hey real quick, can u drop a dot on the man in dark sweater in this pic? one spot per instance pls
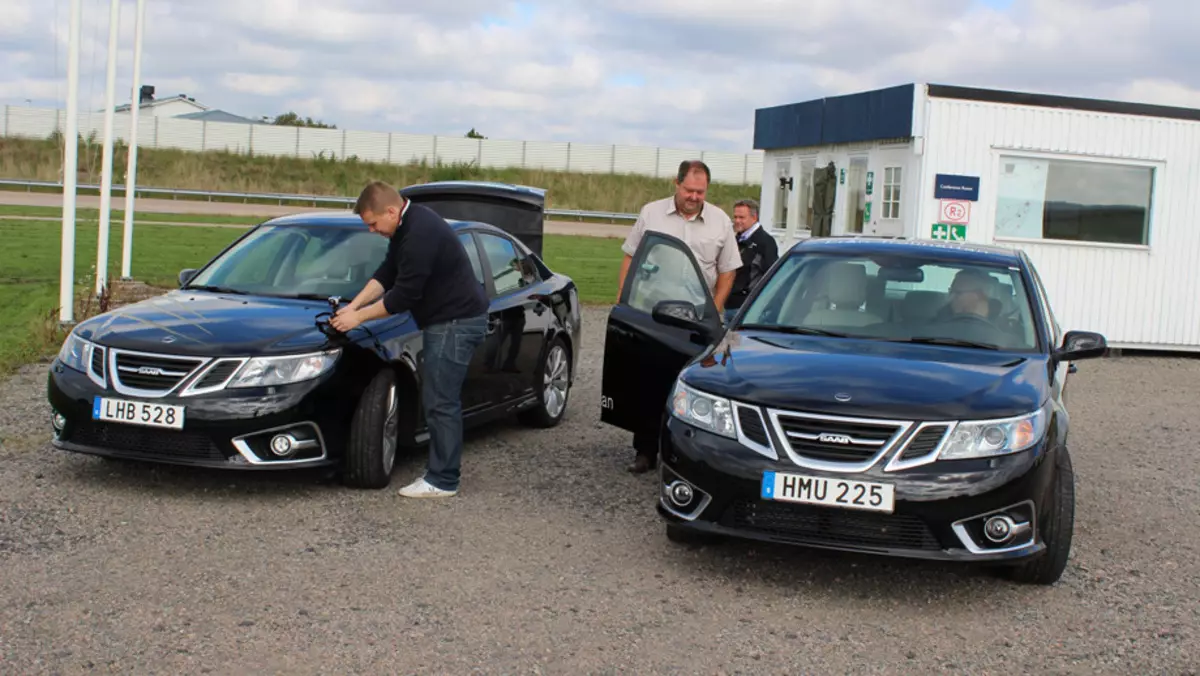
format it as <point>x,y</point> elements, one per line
<point>427,273</point>
<point>758,250</point>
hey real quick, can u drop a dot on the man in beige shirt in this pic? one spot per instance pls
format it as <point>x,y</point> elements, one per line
<point>708,232</point>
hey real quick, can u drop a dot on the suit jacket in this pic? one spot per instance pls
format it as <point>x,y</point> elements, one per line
<point>759,252</point>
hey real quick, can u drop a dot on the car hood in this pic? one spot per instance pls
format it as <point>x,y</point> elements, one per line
<point>210,324</point>
<point>882,379</point>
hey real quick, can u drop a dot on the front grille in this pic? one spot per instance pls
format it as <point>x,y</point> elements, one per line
<point>752,426</point>
<point>924,442</point>
<point>835,440</point>
<point>218,374</point>
<point>146,442</point>
<point>98,362</point>
<point>152,373</point>
<point>822,525</point>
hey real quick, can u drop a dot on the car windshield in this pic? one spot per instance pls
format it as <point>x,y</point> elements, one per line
<point>298,260</point>
<point>905,298</point>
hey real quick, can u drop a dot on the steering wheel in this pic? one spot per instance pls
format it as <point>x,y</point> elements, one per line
<point>969,317</point>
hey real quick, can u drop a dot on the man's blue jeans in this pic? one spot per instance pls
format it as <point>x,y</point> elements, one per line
<point>446,356</point>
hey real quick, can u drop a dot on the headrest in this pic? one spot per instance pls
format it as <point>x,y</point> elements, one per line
<point>847,284</point>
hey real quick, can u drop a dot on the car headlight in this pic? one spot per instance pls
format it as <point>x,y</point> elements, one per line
<point>267,371</point>
<point>75,353</point>
<point>714,414</point>
<point>987,438</point>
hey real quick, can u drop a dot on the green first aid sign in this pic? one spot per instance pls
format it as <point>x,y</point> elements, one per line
<point>955,232</point>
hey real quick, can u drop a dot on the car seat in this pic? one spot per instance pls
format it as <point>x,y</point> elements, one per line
<point>846,291</point>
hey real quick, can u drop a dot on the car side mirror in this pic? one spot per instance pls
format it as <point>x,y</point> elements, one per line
<point>186,275</point>
<point>682,314</point>
<point>1081,345</point>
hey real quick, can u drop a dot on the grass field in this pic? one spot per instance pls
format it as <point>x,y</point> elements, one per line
<point>29,271</point>
<point>118,216</point>
<point>32,159</point>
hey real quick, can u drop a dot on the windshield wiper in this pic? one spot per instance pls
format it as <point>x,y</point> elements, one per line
<point>799,330</point>
<point>309,296</point>
<point>215,289</point>
<point>934,340</point>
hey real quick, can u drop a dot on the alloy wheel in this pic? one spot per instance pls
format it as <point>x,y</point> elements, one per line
<point>556,381</point>
<point>389,430</point>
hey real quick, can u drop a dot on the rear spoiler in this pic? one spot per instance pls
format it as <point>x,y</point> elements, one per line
<point>516,209</point>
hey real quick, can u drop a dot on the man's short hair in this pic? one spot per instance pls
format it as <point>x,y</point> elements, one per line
<point>688,166</point>
<point>376,197</point>
<point>749,204</point>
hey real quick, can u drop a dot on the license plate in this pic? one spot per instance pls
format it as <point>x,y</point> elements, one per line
<point>828,492</point>
<point>137,413</point>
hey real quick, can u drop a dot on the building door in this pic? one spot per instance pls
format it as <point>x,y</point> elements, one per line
<point>856,195</point>
<point>890,208</point>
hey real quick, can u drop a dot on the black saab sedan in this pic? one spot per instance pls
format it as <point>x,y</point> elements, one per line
<point>884,396</point>
<point>239,368</point>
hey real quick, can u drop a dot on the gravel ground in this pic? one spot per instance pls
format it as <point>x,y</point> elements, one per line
<point>552,560</point>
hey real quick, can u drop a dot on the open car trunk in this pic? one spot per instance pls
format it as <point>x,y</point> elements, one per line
<point>518,210</point>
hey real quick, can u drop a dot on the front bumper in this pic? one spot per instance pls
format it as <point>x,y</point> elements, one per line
<point>225,430</point>
<point>939,509</point>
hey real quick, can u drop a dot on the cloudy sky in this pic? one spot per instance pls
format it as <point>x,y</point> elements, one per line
<point>678,73</point>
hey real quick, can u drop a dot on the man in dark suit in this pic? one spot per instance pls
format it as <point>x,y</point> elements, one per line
<point>426,272</point>
<point>758,250</point>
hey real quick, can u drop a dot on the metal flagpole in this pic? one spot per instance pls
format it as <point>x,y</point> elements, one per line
<point>66,295</point>
<point>131,171</point>
<point>114,16</point>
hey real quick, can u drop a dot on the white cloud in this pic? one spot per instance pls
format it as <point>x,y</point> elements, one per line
<point>563,70</point>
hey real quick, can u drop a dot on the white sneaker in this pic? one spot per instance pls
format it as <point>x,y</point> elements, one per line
<point>423,489</point>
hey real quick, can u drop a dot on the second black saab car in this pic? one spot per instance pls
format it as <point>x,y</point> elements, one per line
<point>239,369</point>
<point>893,397</point>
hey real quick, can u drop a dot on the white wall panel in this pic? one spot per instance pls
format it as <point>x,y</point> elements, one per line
<point>498,154</point>
<point>368,146</point>
<point>544,155</point>
<point>590,158</point>
<point>234,138</point>
<point>271,141</point>
<point>1137,296</point>
<point>315,142</point>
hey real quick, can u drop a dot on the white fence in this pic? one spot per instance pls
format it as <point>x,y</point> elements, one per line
<point>389,147</point>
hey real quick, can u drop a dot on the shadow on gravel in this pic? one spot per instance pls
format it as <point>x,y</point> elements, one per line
<point>155,479</point>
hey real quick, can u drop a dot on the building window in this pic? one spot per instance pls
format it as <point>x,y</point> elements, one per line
<point>1076,200</point>
<point>891,192</point>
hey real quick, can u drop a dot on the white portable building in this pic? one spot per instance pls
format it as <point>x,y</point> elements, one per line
<point>1102,195</point>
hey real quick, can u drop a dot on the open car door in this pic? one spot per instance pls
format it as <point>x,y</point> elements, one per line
<point>516,209</point>
<point>664,318</point>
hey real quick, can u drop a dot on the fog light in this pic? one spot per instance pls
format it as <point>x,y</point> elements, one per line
<point>282,445</point>
<point>681,494</point>
<point>59,421</point>
<point>999,529</point>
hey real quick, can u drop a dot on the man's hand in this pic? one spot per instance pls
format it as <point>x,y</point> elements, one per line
<point>346,318</point>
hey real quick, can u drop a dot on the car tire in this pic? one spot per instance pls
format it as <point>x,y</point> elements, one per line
<point>371,448</point>
<point>555,381</point>
<point>1056,529</point>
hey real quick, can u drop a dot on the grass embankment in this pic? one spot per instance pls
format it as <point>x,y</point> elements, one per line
<point>31,159</point>
<point>29,271</point>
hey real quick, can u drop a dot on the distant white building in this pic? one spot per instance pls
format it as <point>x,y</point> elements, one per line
<point>1100,194</point>
<point>180,106</point>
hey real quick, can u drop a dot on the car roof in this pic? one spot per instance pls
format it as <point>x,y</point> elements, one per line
<point>348,219</point>
<point>961,252</point>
